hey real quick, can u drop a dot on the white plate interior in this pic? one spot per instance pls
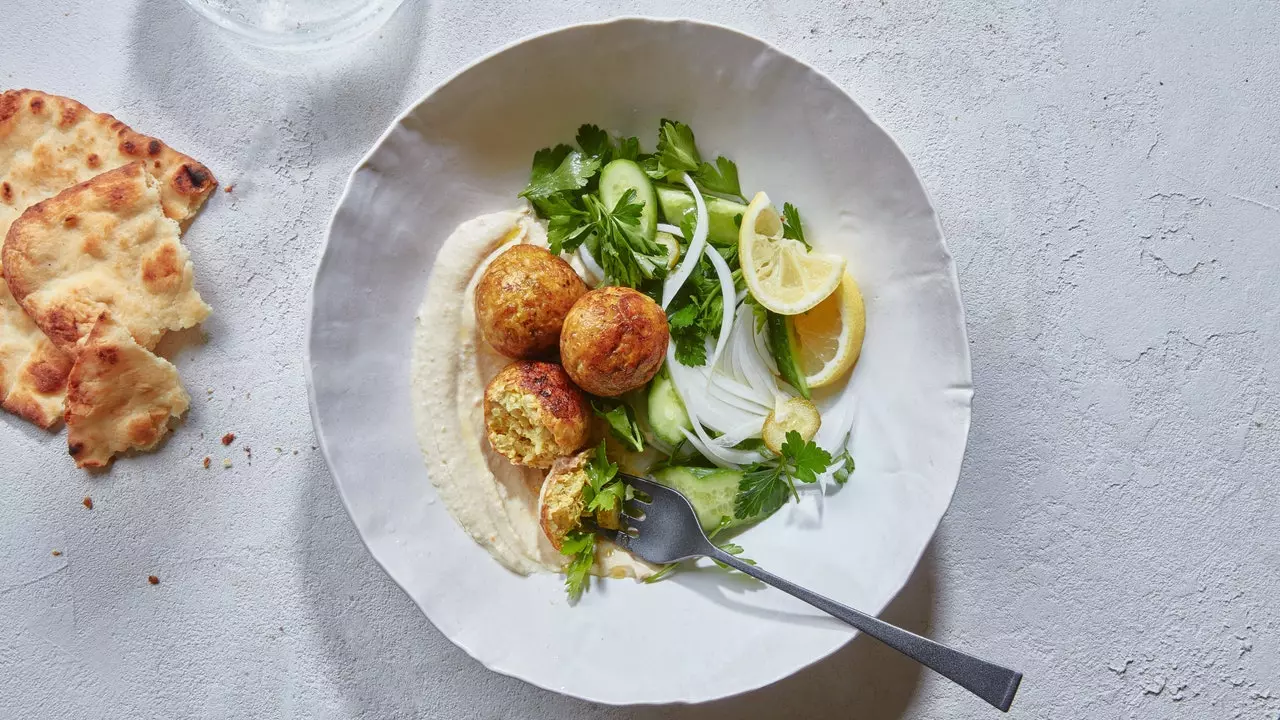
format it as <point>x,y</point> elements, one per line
<point>464,150</point>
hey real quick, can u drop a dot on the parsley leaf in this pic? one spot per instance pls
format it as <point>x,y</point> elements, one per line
<point>765,487</point>
<point>595,143</point>
<point>792,227</point>
<point>581,546</point>
<point>719,178</point>
<point>546,160</point>
<point>684,317</point>
<point>609,499</point>
<point>613,234</point>
<point>598,143</point>
<point>626,255</point>
<point>572,173</point>
<point>599,470</point>
<point>725,521</point>
<point>568,225</point>
<point>732,549</point>
<point>604,491</point>
<point>622,421</point>
<point>804,461</point>
<point>662,573</point>
<point>628,149</point>
<point>695,313</point>
<point>691,348</point>
<point>677,151</point>
<point>761,492</point>
<point>847,466</point>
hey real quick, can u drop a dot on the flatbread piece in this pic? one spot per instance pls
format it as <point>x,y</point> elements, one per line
<point>33,372</point>
<point>102,245</point>
<point>47,144</point>
<point>120,396</point>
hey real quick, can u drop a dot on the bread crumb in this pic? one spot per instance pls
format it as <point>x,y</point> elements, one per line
<point>88,502</point>
<point>228,188</point>
<point>153,579</point>
<point>226,462</point>
<point>57,553</point>
<point>207,460</point>
<point>228,438</point>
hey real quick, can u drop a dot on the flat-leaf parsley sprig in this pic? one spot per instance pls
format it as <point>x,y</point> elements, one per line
<point>678,153</point>
<point>622,421</point>
<point>603,493</point>
<point>765,487</point>
<point>580,545</point>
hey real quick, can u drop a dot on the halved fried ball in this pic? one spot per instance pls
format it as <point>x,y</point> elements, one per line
<point>561,504</point>
<point>613,341</point>
<point>522,299</point>
<point>534,414</point>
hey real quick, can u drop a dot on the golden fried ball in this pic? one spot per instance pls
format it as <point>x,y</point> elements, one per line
<point>613,340</point>
<point>534,414</point>
<point>522,299</point>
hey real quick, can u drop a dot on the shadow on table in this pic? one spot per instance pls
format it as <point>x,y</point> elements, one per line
<point>385,657</point>
<point>863,679</point>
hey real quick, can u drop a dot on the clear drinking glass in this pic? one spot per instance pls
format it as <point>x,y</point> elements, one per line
<point>297,24</point>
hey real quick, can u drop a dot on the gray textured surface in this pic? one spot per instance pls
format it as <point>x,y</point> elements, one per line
<point>1109,180</point>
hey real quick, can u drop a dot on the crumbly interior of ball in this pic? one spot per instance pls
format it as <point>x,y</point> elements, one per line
<point>517,430</point>
<point>563,504</point>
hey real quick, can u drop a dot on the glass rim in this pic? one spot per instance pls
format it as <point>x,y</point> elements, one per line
<point>334,32</point>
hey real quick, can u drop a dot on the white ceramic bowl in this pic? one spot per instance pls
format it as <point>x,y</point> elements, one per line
<point>463,150</point>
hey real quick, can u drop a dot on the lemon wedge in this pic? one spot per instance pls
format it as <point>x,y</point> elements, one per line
<point>782,274</point>
<point>790,414</point>
<point>830,334</point>
<point>668,241</point>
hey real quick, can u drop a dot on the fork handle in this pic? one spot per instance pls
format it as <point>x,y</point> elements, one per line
<point>995,684</point>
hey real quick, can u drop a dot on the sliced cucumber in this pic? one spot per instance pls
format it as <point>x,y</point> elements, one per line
<point>620,176</point>
<point>667,415</point>
<point>785,349</point>
<point>722,226</point>
<point>712,492</point>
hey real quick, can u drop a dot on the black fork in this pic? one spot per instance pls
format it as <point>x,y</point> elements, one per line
<point>665,529</point>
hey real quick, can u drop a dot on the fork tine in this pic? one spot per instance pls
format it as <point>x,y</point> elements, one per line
<point>640,483</point>
<point>617,537</point>
<point>655,491</point>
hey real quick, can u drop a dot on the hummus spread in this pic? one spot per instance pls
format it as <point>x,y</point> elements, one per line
<point>495,501</point>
